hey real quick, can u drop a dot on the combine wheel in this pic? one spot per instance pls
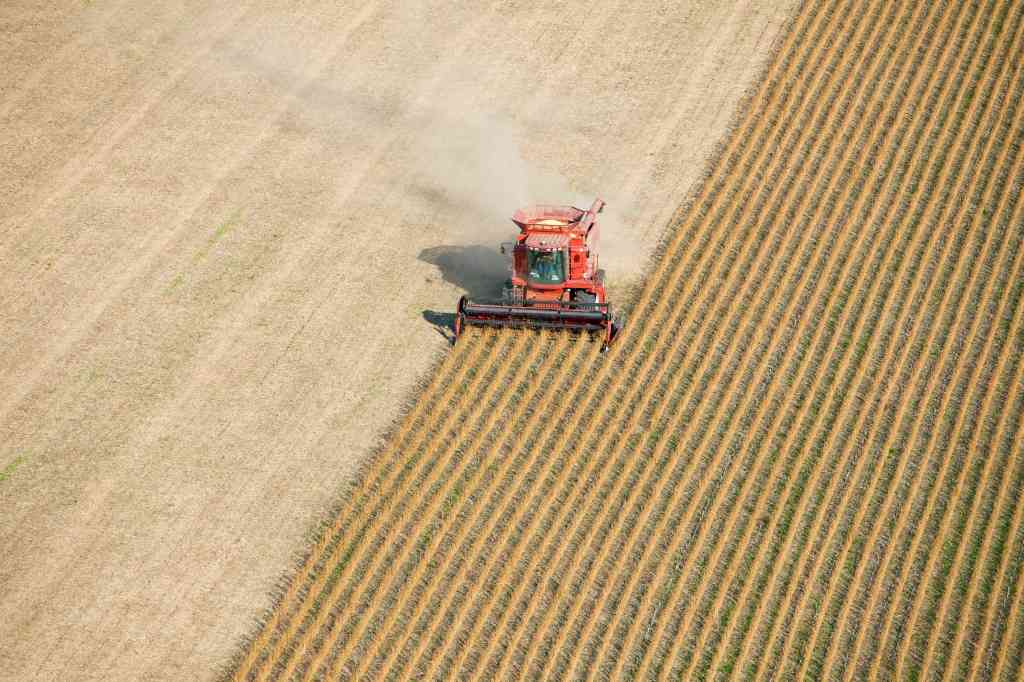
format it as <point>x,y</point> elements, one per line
<point>459,319</point>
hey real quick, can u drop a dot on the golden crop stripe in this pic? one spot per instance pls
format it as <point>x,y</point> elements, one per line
<point>787,353</point>
<point>1008,79</point>
<point>314,605</point>
<point>541,412</point>
<point>994,648</point>
<point>915,534</point>
<point>993,541</point>
<point>534,357</point>
<point>913,136</point>
<point>873,534</point>
<point>934,379</point>
<point>545,435</point>
<point>818,644</point>
<point>988,422</point>
<point>951,425</point>
<point>492,373</point>
<point>442,594</point>
<point>811,373</point>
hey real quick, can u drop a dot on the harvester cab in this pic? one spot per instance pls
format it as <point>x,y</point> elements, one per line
<point>556,282</point>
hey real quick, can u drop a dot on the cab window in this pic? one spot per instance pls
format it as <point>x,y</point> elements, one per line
<point>546,267</point>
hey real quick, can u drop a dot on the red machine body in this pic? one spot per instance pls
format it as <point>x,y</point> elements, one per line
<point>556,281</point>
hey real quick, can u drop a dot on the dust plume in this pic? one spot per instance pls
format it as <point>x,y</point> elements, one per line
<point>463,155</point>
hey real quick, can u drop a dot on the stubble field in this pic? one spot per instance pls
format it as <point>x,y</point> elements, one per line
<point>801,459</point>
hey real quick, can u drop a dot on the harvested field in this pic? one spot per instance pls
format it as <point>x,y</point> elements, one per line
<point>230,234</point>
<point>802,458</point>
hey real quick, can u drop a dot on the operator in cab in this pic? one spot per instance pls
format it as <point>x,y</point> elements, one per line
<point>546,267</point>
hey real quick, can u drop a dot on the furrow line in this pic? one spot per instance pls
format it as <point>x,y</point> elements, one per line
<point>380,566</point>
<point>809,509</point>
<point>924,430</point>
<point>489,525</point>
<point>785,348</point>
<point>783,440</point>
<point>856,468</point>
<point>833,373</point>
<point>729,600</point>
<point>982,587</point>
<point>719,350</point>
<point>993,347</point>
<point>433,523</point>
<point>323,605</point>
<point>909,171</point>
<point>952,549</point>
<point>534,390</point>
<point>1006,659</point>
<point>994,480</point>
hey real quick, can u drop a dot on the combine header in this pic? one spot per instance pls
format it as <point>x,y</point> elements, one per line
<point>555,279</point>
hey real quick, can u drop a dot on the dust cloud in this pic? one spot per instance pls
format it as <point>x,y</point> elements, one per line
<point>472,161</point>
<point>463,156</point>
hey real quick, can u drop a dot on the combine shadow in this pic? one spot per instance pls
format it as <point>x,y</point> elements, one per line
<point>480,270</point>
<point>443,323</point>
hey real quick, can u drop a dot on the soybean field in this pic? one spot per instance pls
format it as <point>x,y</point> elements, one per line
<point>802,458</point>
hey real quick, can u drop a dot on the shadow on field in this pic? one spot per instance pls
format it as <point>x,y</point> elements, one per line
<point>480,270</point>
<point>443,323</point>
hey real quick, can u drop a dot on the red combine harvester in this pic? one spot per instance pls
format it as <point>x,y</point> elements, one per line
<point>555,279</point>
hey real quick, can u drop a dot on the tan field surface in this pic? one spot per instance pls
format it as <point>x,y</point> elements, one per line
<point>230,234</point>
<point>802,459</point>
